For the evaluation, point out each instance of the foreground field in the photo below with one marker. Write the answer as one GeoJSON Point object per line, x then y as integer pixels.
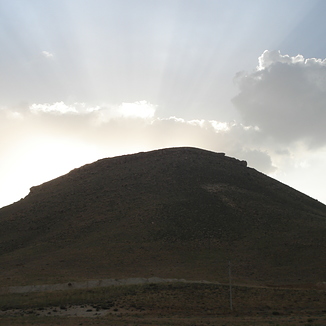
{"type": "Point", "coordinates": [165, 321]}
{"type": "Point", "coordinates": [166, 304]}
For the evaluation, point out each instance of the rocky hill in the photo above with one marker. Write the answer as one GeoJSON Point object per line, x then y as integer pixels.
{"type": "Point", "coordinates": [170, 213]}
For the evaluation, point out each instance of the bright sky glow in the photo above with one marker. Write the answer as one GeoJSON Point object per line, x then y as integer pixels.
{"type": "Point", "coordinates": [83, 80]}
{"type": "Point", "coordinates": [140, 109]}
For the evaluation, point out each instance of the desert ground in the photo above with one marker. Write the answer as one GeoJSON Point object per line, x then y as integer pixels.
{"type": "Point", "coordinates": [166, 303]}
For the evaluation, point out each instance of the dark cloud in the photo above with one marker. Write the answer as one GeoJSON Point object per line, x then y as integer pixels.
{"type": "Point", "coordinates": [286, 98]}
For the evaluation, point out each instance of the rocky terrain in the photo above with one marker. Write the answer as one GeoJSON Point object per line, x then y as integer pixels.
{"type": "Point", "coordinates": [170, 213]}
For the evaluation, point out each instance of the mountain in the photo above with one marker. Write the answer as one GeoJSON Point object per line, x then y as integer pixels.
{"type": "Point", "coordinates": [170, 213]}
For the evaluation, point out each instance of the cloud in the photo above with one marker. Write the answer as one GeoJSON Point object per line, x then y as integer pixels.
{"type": "Point", "coordinates": [270, 57]}
{"type": "Point", "coordinates": [47, 54]}
{"type": "Point", "coordinates": [44, 140]}
{"type": "Point", "coordinates": [129, 127]}
{"type": "Point", "coordinates": [103, 113]}
{"type": "Point", "coordinates": [58, 107]}
{"type": "Point", "coordinates": [285, 97]}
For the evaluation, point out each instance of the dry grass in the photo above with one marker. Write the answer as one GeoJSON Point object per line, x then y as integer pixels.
{"type": "Point", "coordinates": [172, 304]}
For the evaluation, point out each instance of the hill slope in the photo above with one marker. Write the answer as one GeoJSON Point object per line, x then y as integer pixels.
{"type": "Point", "coordinates": [176, 213]}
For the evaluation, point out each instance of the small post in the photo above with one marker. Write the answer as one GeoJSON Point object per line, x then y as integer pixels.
{"type": "Point", "coordinates": [230, 285]}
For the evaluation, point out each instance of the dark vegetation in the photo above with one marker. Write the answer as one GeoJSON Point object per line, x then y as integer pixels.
{"type": "Point", "coordinates": [171, 213]}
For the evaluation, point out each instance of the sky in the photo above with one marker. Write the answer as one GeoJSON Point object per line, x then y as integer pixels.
{"type": "Point", "coordinates": [82, 80]}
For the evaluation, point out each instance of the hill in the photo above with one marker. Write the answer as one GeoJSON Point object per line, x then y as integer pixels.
{"type": "Point", "coordinates": [170, 213]}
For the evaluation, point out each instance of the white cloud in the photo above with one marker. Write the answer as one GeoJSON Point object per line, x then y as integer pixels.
{"type": "Point", "coordinates": [286, 98]}
{"type": "Point", "coordinates": [47, 54]}
{"type": "Point", "coordinates": [270, 57]}
{"type": "Point", "coordinates": [220, 126]}
{"type": "Point", "coordinates": [58, 107]}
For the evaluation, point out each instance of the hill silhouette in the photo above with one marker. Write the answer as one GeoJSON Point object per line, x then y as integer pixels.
{"type": "Point", "coordinates": [170, 213]}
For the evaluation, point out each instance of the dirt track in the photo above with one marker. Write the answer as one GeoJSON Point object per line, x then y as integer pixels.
{"type": "Point", "coordinates": [91, 284]}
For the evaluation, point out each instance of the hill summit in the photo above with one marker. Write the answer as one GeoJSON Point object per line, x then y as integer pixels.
{"type": "Point", "coordinates": [171, 213]}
